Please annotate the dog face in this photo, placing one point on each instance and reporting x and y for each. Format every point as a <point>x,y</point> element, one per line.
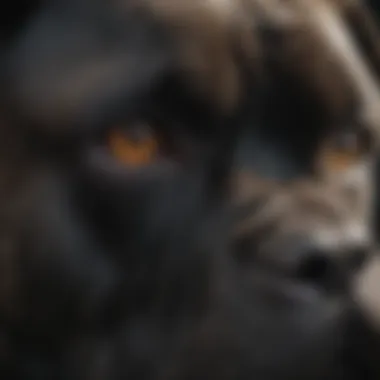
<point>120,124</point>
<point>324,92</point>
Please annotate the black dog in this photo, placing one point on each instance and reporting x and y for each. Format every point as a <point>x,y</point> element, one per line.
<point>123,127</point>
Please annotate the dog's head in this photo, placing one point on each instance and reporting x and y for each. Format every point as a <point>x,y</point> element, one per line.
<point>128,127</point>
<point>306,161</point>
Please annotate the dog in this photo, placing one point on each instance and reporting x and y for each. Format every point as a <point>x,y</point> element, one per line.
<point>186,192</point>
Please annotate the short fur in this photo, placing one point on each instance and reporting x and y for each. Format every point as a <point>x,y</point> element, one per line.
<point>114,273</point>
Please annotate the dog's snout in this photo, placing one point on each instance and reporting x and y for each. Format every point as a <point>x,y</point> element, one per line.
<point>328,269</point>
<point>309,261</point>
<point>322,266</point>
<point>316,232</point>
<point>313,264</point>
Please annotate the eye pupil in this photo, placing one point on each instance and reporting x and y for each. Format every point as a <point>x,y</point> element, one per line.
<point>138,148</point>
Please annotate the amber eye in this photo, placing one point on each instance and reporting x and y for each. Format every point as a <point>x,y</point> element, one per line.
<point>134,146</point>
<point>343,151</point>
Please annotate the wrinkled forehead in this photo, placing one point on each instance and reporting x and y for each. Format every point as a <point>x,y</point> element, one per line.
<point>75,59</point>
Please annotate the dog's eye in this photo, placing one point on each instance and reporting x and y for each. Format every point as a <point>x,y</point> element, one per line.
<point>134,146</point>
<point>344,150</point>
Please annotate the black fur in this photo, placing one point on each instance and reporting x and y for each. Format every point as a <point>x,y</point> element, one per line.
<point>112,273</point>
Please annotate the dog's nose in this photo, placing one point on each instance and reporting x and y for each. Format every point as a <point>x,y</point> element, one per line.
<point>327,267</point>
<point>309,261</point>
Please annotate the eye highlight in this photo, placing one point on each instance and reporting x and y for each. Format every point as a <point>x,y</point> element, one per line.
<point>137,146</point>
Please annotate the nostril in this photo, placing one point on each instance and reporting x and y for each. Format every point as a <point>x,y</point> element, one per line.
<point>315,268</point>
<point>328,269</point>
